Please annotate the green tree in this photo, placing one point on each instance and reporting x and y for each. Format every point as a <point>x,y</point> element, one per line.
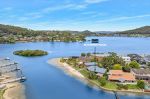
<point>126,68</point>
<point>134,64</point>
<point>117,67</point>
<point>62,60</point>
<point>111,60</point>
<point>83,54</point>
<point>148,64</point>
<point>88,54</point>
<point>102,81</point>
<point>141,84</point>
<point>92,75</point>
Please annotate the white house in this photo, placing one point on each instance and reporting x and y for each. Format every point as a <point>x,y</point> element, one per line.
<point>126,59</point>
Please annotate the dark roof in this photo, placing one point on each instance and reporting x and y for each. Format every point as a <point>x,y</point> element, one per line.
<point>141,71</point>
<point>96,69</point>
<point>147,58</point>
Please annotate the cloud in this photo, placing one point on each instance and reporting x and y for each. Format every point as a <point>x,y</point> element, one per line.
<point>56,8</point>
<point>94,1</point>
<point>23,18</point>
<point>8,8</point>
<point>125,18</point>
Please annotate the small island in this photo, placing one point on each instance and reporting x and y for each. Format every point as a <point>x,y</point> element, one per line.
<point>30,53</point>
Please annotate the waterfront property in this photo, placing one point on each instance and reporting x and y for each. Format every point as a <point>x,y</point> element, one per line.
<point>147,59</point>
<point>147,86</point>
<point>85,59</point>
<point>101,54</point>
<point>141,74</point>
<point>126,59</point>
<point>120,76</point>
<point>138,58</point>
<point>90,64</point>
<point>96,69</point>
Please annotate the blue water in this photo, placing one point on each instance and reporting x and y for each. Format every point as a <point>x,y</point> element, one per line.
<point>47,82</point>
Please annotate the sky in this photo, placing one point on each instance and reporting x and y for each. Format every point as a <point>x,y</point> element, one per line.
<point>93,15</point>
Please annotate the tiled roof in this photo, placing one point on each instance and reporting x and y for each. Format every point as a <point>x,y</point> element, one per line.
<point>119,75</point>
<point>116,72</point>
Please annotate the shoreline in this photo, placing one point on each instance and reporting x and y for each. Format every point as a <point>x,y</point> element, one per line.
<point>75,41</point>
<point>14,90</point>
<point>74,73</point>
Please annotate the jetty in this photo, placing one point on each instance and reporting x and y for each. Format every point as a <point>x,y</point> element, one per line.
<point>21,79</point>
<point>7,67</point>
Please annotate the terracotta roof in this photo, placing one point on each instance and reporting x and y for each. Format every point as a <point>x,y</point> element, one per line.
<point>116,72</point>
<point>119,74</point>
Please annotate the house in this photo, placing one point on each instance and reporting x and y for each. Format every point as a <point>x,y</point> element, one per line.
<point>96,69</point>
<point>141,74</point>
<point>90,64</point>
<point>85,59</point>
<point>101,55</point>
<point>74,57</point>
<point>126,59</point>
<point>121,76</point>
<point>147,86</point>
<point>138,58</point>
<point>147,59</point>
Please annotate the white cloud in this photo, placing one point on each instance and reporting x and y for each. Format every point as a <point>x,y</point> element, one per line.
<point>8,8</point>
<point>125,18</point>
<point>23,18</point>
<point>56,8</point>
<point>94,1</point>
<point>79,6</point>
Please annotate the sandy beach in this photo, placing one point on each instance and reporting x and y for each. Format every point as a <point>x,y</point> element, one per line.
<point>72,72</point>
<point>66,68</point>
<point>14,90</point>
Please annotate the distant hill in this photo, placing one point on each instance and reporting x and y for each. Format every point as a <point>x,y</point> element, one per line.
<point>11,34</point>
<point>8,29</point>
<point>141,30</point>
<point>106,32</point>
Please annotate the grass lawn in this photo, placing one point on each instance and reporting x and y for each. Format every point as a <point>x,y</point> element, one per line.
<point>84,72</point>
<point>132,86</point>
<point>1,94</point>
<point>110,85</point>
<point>76,67</point>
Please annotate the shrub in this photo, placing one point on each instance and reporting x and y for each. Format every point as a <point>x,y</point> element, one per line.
<point>103,81</point>
<point>117,67</point>
<point>125,87</point>
<point>88,54</point>
<point>92,75</point>
<point>126,68</point>
<point>83,54</point>
<point>140,84</point>
<point>134,64</point>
